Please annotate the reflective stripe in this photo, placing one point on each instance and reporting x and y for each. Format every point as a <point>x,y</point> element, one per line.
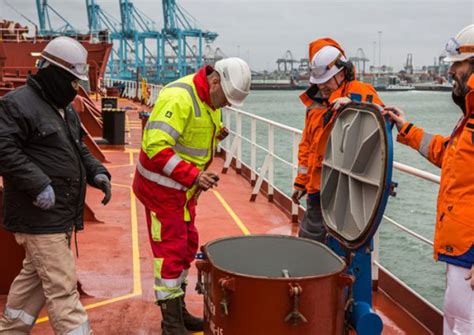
<point>20,314</point>
<point>302,169</point>
<point>171,164</point>
<point>425,144</point>
<point>84,329</point>
<point>168,288</point>
<point>163,126</point>
<point>160,179</point>
<point>167,294</point>
<point>169,283</point>
<point>191,151</point>
<point>155,228</point>
<point>189,88</point>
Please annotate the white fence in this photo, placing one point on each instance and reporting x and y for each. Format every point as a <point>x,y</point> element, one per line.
<point>133,89</point>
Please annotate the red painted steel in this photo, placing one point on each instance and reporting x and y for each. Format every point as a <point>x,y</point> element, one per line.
<point>236,304</point>
<point>94,148</point>
<point>89,114</point>
<point>21,52</point>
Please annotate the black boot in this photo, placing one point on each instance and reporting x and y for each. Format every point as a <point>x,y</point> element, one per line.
<point>172,313</point>
<point>191,322</point>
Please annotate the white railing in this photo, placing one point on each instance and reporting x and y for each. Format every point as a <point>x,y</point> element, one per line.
<point>133,89</point>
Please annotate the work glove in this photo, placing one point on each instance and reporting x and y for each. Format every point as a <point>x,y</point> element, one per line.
<point>223,133</point>
<point>46,199</point>
<point>207,180</point>
<point>297,195</point>
<point>340,102</point>
<point>103,182</point>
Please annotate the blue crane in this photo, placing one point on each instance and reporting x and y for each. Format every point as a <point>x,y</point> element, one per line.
<point>142,50</point>
<point>100,21</point>
<point>131,37</point>
<point>179,27</point>
<point>46,28</point>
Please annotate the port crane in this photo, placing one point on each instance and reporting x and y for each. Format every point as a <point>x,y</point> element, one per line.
<point>140,48</point>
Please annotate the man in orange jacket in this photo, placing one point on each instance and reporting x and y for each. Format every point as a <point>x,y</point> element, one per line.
<point>333,85</point>
<point>454,232</point>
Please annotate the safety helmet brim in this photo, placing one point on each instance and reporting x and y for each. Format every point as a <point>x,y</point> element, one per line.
<point>324,78</point>
<point>457,57</point>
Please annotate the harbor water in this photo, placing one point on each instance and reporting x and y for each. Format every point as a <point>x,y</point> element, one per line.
<point>415,203</point>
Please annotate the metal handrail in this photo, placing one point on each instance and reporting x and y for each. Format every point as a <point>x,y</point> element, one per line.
<point>133,89</point>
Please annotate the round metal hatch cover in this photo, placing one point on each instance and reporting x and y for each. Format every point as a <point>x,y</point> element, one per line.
<point>354,173</point>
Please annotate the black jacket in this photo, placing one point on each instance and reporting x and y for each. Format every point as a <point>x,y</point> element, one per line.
<point>38,147</point>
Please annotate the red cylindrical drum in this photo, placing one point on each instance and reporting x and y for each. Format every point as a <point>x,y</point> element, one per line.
<point>272,284</point>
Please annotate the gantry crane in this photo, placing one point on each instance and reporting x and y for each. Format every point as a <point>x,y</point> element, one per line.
<point>45,26</point>
<point>140,48</point>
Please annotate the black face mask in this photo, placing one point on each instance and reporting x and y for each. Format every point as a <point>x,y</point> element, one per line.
<point>56,85</point>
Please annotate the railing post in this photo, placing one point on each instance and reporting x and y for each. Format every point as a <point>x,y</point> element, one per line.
<point>239,143</point>
<point>294,170</point>
<point>253,151</point>
<point>228,126</point>
<point>233,148</point>
<point>271,149</point>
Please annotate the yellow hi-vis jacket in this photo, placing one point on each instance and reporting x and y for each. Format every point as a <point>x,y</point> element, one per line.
<point>178,143</point>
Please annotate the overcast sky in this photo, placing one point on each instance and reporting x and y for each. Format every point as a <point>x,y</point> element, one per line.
<point>261,31</point>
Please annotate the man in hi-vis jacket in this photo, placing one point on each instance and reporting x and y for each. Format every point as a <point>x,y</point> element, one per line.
<point>177,147</point>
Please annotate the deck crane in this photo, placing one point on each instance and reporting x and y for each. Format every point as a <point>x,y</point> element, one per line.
<point>45,26</point>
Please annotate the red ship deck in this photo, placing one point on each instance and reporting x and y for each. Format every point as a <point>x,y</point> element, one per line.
<point>115,263</point>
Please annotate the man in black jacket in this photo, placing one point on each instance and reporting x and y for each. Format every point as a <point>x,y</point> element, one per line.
<point>45,168</point>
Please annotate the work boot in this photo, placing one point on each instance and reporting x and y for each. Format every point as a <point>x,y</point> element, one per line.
<point>191,322</point>
<point>172,313</point>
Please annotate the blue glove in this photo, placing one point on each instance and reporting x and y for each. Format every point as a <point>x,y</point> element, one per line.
<point>103,182</point>
<point>46,199</point>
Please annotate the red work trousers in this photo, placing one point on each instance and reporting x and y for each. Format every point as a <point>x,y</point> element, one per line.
<point>174,242</point>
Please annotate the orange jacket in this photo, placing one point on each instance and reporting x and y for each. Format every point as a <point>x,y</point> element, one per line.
<point>454,232</point>
<point>313,143</point>
<point>305,154</point>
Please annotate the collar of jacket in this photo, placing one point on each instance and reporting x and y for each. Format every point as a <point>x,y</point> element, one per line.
<point>470,82</point>
<point>30,81</point>
<point>202,87</point>
<point>312,95</point>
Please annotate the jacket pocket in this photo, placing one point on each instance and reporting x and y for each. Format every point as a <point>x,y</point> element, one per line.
<point>47,133</point>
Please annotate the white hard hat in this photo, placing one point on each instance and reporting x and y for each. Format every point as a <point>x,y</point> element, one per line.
<point>461,47</point>
<point>323,65</point>
<point>235,79</point>
<point>69,54</point>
